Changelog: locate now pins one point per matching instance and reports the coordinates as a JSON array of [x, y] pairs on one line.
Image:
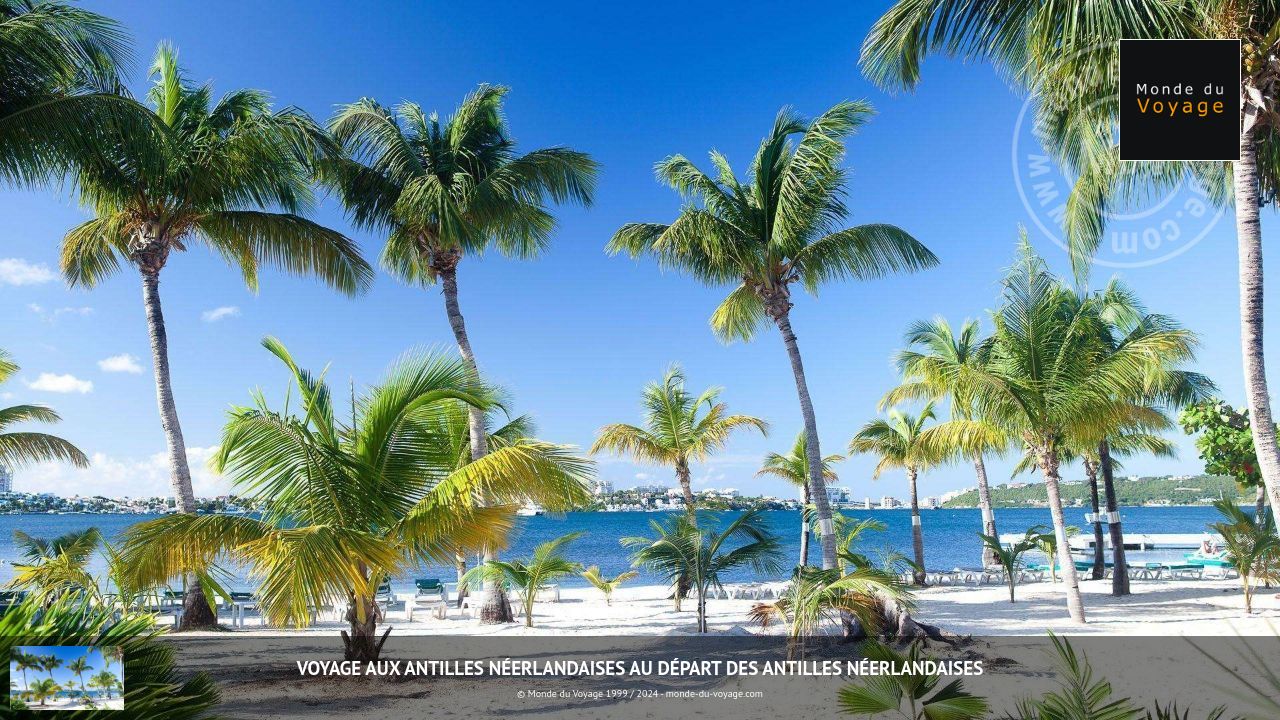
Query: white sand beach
[[1155, 608], [77, 704]]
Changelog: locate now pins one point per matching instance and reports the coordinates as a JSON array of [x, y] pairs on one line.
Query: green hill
[[1198, 490]]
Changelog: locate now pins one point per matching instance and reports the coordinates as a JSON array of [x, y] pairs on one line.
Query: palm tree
[[794, 468], [826, 597], [933, 356], [1065, 54], [49, 663], [79, 666], [42, 690], [679, 428], [445, 190], [203, 172], [547, 565], [1010, 558], [19, 448], [58, 85], [53, 567], [24, 661], [112, 654], [896, 442], [779, 228], [346, 505], [914, 694], [1252, 546], [607, 585], [1053, 383], [105, 680], [703, 553]]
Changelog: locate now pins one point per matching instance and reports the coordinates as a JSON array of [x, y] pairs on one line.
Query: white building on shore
[[6, 479]]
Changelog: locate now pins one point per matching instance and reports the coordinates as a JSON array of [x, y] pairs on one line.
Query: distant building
[[932, 503], [866, 504], [888, 502], [603, 487], [6, 479], [838, 495]]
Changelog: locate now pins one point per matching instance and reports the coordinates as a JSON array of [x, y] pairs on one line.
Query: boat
[[530, 510]]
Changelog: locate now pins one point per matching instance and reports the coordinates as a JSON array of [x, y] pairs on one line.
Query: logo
[[1148, 229]]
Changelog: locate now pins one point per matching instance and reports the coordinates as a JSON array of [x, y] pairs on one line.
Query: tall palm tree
[[443, 190], [79, 667], [19, 448], [24, 661], [49, 663], [896, 441], [105, 680], [794, 468], [929, 364], [211, 173], [58, 85], [346, 505], [679, 428], [780, 227], [1065, 53], [1052, 383]]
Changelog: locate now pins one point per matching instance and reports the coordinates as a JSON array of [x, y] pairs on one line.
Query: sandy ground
[[75, 704], [255, 666], [1155, 608]]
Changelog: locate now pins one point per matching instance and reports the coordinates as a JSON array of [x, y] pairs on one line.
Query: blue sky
[[576, 334], [61, 675]]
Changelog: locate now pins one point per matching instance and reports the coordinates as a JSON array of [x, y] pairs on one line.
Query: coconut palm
[[20, 448], [704, 552], [42, 690], [679, 428], [24, 661], [547, 565], [815, 598], [346, 505], [607, 585], [79, 667], [58, 85], [934, 353], [49, 663], [231, 175], [780, 227], [105, 680], [896, 441], [914, 694], [111, 654], [794, 468], [1053, 383], [1065, 53], [1010, 558], [52, 567], [445, 190], [1252, 547]]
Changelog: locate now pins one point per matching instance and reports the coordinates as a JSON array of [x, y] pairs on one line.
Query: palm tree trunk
[[195, 608], [917, 533], [1249, 239], [1260, 504], [362, 642], [1119, 566], [1099, 556], [1049, 469], [683, 476], [497, 606], [988, 512], [817, 486], [804, 527]]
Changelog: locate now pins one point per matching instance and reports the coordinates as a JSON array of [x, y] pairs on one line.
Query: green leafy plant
[[1010, 557], [683, 549], [1225, 442], [547, 565], [1253, 549], [607, 585], [910, 695], [815, 598], [793, 467]]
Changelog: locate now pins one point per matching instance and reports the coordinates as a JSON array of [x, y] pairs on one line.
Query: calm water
[[949, 535]]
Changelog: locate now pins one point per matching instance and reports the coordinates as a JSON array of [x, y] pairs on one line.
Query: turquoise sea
[[949, 535]]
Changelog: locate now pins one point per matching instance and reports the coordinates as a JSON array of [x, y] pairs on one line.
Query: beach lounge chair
[[430, 588], [1184, 571], [545, 592], [384, 597]]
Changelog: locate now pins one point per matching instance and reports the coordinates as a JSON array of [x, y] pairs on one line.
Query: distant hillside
[[1199, 490]]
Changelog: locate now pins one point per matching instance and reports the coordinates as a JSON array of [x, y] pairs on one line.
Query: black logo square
[[1179, 99]]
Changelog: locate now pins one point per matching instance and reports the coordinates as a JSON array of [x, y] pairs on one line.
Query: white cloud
[[116, 477], [642, 476], [6, 396], [220, 313], [15, 271], [51, 315], [124, 363], [50, 382]]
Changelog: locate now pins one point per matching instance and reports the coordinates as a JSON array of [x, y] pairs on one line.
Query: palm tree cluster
[[1064, 375], [1065, 55]]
